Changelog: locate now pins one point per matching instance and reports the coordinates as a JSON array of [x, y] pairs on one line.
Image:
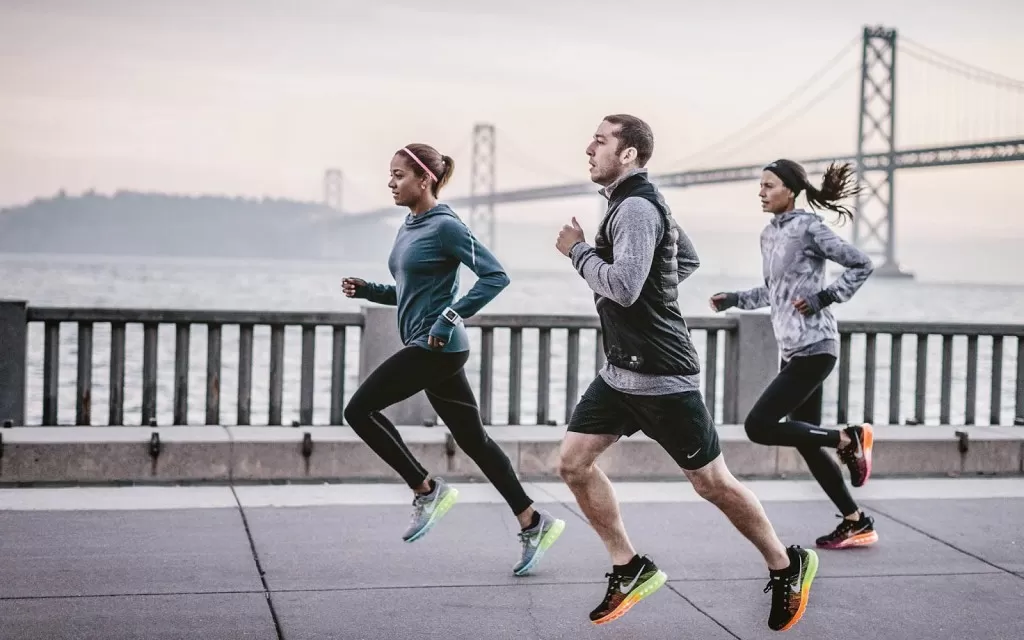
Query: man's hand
[[351, 286], [568, 237]]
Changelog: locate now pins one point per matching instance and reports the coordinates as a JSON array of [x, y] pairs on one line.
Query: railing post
[[13, 347], [378, 342], [753, 360]]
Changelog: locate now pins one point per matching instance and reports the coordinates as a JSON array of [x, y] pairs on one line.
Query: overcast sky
[[258, 97]]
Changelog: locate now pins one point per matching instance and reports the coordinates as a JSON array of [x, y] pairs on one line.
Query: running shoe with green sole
[[537, 540], [428, 508], [626, 588], [791, 588]]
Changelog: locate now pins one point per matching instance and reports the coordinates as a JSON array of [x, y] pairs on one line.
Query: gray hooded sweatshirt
[[795, 247], [635, 233]]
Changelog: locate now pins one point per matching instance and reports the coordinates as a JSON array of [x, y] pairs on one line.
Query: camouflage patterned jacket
[[795, 248]]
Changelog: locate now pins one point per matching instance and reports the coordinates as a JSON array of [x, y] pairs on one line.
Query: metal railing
[[183, 321], [715, 331], [968, 356], [932, 339]]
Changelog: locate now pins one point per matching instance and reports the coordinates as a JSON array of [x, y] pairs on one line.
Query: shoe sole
[[446, 503], [805, 588], [868, 443], [651, 585], [546, 541], [859, 540]]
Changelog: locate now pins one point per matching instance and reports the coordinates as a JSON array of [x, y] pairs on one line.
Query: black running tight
[[797, 392], [442, 377]]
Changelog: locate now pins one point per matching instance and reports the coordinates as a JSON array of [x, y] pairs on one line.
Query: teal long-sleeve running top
[[424, 262]]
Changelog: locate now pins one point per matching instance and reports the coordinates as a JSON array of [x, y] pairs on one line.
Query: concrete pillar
[[379, 341], [13, 347], [753, 360]]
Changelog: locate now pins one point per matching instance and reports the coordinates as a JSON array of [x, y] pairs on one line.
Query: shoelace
[[849, 453], [786, 582], [419, 503], [614, 584], [844, 525]]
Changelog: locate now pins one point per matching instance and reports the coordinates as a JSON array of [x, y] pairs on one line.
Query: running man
[[425, 260], [651, 380], [795, 247]]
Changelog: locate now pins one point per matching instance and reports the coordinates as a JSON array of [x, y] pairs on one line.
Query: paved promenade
[[326, 561]]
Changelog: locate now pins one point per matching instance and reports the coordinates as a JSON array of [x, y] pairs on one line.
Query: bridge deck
[[1007, 150], [176, 562]]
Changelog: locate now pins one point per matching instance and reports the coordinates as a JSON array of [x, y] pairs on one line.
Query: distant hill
[[141, 224]]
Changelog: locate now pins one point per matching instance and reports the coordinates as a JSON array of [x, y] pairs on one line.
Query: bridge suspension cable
[[931, 104], [925, 54], [946, 100], [773, 110], [815, 100]]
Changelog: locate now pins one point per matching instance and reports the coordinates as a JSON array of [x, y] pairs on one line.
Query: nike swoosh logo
[[693, 454], [629, 587]]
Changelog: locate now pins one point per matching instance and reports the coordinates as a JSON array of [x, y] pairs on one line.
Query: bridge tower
[[483, 182], [874, 219], [332, 189]]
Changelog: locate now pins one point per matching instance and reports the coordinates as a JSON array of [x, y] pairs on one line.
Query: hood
[[440, 209], [783, 218]]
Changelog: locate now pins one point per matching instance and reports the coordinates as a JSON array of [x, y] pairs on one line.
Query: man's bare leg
[[594, 492], [633, 577], [791, 571], [716, 484]]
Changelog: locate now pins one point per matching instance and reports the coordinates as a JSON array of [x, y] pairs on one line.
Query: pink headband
[[420, 162]]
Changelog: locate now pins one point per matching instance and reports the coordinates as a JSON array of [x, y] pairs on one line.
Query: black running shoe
[[857, 456], [625, 589], [791, 588], [850, 533]]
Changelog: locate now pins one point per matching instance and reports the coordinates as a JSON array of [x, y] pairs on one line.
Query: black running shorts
[[679, 422]]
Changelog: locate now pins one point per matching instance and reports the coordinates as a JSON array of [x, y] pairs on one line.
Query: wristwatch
[[450, 315]]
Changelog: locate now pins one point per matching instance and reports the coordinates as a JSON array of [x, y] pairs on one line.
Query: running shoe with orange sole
[[791, 589], [850, 533], [627, 587], [857, 456]]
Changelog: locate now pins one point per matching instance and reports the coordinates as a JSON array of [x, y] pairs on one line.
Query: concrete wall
[[217, 454]]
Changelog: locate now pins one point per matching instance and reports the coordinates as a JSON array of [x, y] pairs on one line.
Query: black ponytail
[[839, 183]]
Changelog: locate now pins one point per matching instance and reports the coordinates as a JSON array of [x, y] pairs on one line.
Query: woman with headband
[[795, 247], [424, 262]]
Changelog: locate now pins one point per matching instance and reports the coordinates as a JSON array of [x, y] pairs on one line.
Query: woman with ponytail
[[795, 247], [425, 261]]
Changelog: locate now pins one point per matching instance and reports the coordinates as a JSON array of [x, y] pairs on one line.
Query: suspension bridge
[[980, 119]]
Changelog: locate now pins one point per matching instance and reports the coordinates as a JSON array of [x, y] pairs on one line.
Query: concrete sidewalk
[[326, 561]]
